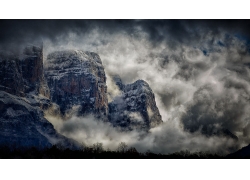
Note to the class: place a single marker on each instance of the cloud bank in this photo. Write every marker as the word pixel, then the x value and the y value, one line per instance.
pixel 198 70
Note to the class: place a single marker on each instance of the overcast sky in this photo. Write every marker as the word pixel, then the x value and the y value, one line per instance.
pixel 198 70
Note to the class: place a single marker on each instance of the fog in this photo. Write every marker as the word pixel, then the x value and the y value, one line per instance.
pixel 198 71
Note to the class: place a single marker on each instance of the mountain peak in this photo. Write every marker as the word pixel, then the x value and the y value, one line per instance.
pixel 77 77
pixel 135 108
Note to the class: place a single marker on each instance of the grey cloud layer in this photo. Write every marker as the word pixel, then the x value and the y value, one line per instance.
pixel 198 70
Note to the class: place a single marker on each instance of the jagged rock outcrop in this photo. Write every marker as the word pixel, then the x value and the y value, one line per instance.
pixel 24 95
pixel 117 80
pixel 135 108
pixel 77 78
pixel 23 74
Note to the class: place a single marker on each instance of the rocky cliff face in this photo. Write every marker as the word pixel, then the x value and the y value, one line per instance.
pixel 135 108
pixel 11 79
pixel 77 78
pixel 24 95
pixel 23 74
pixel 32 71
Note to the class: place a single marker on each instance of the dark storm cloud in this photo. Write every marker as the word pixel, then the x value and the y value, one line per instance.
pixel 19 32
pixel 176 31
pixel 29 30
pixel 210 114
pixel 198 70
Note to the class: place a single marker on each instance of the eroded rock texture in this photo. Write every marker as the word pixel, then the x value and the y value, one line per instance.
pixel 32 71
pixel 23 74
pixel 77 78
pixel 135 108
pixel 24 95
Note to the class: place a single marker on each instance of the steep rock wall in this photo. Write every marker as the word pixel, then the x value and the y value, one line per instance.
pixel 77 78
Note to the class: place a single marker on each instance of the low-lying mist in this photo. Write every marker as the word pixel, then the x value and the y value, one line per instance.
pixel 167 138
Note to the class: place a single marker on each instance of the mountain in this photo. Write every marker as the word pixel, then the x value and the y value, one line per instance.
pixel 72 80
pixel 77 79
pixel 135 108
pixel 24 95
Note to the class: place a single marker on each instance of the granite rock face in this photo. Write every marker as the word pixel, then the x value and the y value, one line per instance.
pixel 135 108
pixel 77 78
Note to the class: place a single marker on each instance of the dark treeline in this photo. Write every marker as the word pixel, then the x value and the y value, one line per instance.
pixel 96 152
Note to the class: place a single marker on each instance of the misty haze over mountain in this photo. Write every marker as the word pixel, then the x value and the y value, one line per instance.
pixel 198 71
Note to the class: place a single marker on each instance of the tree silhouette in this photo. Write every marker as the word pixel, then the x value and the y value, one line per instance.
pixel 122 147
pixel 97 147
